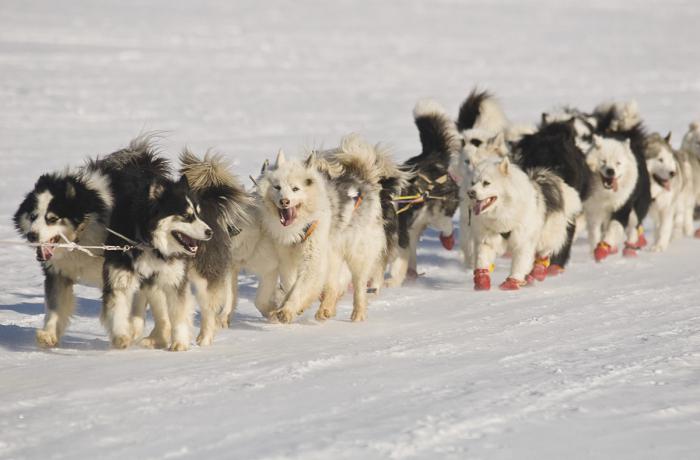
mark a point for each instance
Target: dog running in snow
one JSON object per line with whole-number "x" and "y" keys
{"x": 73, "y": 206}
{"x": 526, "y": 212}
{"x": 161, "y": 217}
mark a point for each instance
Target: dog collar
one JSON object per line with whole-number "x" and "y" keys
{"x": 308, "y": 230}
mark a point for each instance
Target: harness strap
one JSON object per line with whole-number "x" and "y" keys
{"x": 309, "y": 229}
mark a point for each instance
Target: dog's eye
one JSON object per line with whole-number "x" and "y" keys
{"x": 189, "y": 217}
{"x": 278, "y": 187}
{"x": 51, "y": 219}
{"x": 467, "y": 162}
{"x": 33, "y": 216}
{"x": 486, "y": 183}
{"x": 661, "y": 160}
{"x": 295, "y": 189}
{"x": 475, "y": 142}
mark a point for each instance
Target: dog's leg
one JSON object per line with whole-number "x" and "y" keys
{"x": 120, "y": 285}
{"x": 360, "y": 275}
{"x": 265, "y": 295}
{"x": 466, "y": 242}
{"x": 331, "y": 291}
{"x": 399, "y": 267}
{"x": 310, "y": 279}
{"x": 225, "y": 316}
{"x": 160, "y": 335}
{"x": 138, "y": 314}
{"x": 59, "y": 305}
{"x": 523, "y": 256}
{"x": 181, "y": 310}
{"x": 594, "y": 224}
{"x": 209, "y": 299}
{"x": 486, "y": 248}
{"x": 665, "y": 229}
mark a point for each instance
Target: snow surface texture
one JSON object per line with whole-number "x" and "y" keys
{"x": 599, "y": 363}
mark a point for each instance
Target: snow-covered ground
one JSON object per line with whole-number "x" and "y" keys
{"x": 602, "y": 362}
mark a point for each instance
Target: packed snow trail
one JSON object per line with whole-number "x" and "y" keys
{"x": 601, "y": 362}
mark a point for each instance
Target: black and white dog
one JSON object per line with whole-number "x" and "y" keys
{"x": 68, "y": 207}
{"x": 433, "y": 193}
{"x": 161, "y": 217}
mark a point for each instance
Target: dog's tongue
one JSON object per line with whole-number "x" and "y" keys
{"x": 479, "y": 206}
{"x": 287, "y": 216}
{"x": 667, "y": 184}
{"x": 191, "y": 243}
{"x": 44, "y": 253}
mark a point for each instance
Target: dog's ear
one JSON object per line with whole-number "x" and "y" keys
{"x": 504, "y": 166}
{"x": 280, "y": 160}
{"x": 265, "y": 165}
{"x": 694, "y": 126}
{"x": 544, "y": 119}
{"x": 668, "y": 138}
{"x": 155, "y": 191}
{"x": 628, "y": 144}
{"x": 592, "y": 161}
{"x": 597, "y": 140}
{"x": 70, "y": 191}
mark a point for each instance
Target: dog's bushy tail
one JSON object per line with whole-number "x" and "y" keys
{"x": 438, "y": 134}
{"x": 481, "y": 110}
{"x": 211, "y": 179}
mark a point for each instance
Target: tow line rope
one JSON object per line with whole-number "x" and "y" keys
{"x": 72, "y": 246}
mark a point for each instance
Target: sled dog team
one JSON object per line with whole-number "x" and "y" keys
{"x": 312, "y": 226}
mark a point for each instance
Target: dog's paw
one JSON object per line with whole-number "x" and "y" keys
{"x": 179, "y": 346}
{"x": 223, "y": 322}
{"x": 46, "y": 339}
{"x": 204, "y": 340}
{"x": 658, "y": 248}
{"x": 155, "y": 341}
{"x": 393, "y": 282}
{"x": 323, "y": 314}
{"x": 358, "y": 314}
{"x": 120, "y": 342}
{"x": 284, "y": 316}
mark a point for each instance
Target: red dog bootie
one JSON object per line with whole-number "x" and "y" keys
{"x": 602, "y": 251}
{"x": 641, "y": 239}
{"x": 448, "y": 242}
{"x": 512, "y": 284}
{"x": 482, "y": 279}
{"x": 539, "y": 268}
{"x": 697, "y": 233}
{"x": 630, "y": 250}
{"x": 554, "y": 270}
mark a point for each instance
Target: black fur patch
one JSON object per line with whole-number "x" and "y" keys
{"x": 553, "y": 199}
{"x": 553, "y": 146}
{"x": 471, "y": 108}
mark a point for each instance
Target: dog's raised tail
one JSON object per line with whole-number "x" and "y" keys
{"x": 436, "y": 129}
{"x": 481, "y": 110}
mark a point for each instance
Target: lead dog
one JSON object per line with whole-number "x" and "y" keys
{"x": 69, "y": 207}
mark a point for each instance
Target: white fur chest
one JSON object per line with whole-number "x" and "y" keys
{"x": 167, "y": 272}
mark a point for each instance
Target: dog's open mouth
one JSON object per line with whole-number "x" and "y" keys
{"x": 481, "y": 205}
{"x": 190, "y": 244}
{"x": 665, "y": 183}
{"x": 45, "y": 252}
{"x": 609, "y": 182}
{"x": 287, "y": 215}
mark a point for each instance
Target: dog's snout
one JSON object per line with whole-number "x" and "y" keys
{"x": 284, "y": 202}
{"x": 471, "y": 194}
{"x": 32, "y": 237}
{"x": 609, "y": 172}
{"x": 208, "y": 233}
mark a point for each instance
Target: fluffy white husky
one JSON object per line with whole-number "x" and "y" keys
{"x": 615, "y": 175}
{"x": 356, "y": 170}
{"x": 297, "y": 214}
{"x": 691, "y": 149}
{"x": 673, "y": 199}
{"x": 529, "y": 212}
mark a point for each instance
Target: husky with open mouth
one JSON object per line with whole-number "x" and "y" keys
{"x": 68, "y": 207}
{"x": 527, "y": 212}
{"x": 297, "y": 213}
{"x": 672, "y": 191}
{"x": 161, "y": 217}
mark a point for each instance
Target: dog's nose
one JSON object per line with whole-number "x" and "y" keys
{"x": 208, "y": 233}
{"x": 672, "y": 173}
{"x": 610, "y": 172}
{"x": 284, "y": 202}
{"x": 32, "y": 237}
{"x": 471, "y": 194}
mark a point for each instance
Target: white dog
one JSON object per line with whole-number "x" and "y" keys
{"x": 671, "y": 191}
{"x": 529, "y": 212}
{"x": 614, "y": 177}
{"x": 297, "y": 214}
{"x": 691, "y": 150}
